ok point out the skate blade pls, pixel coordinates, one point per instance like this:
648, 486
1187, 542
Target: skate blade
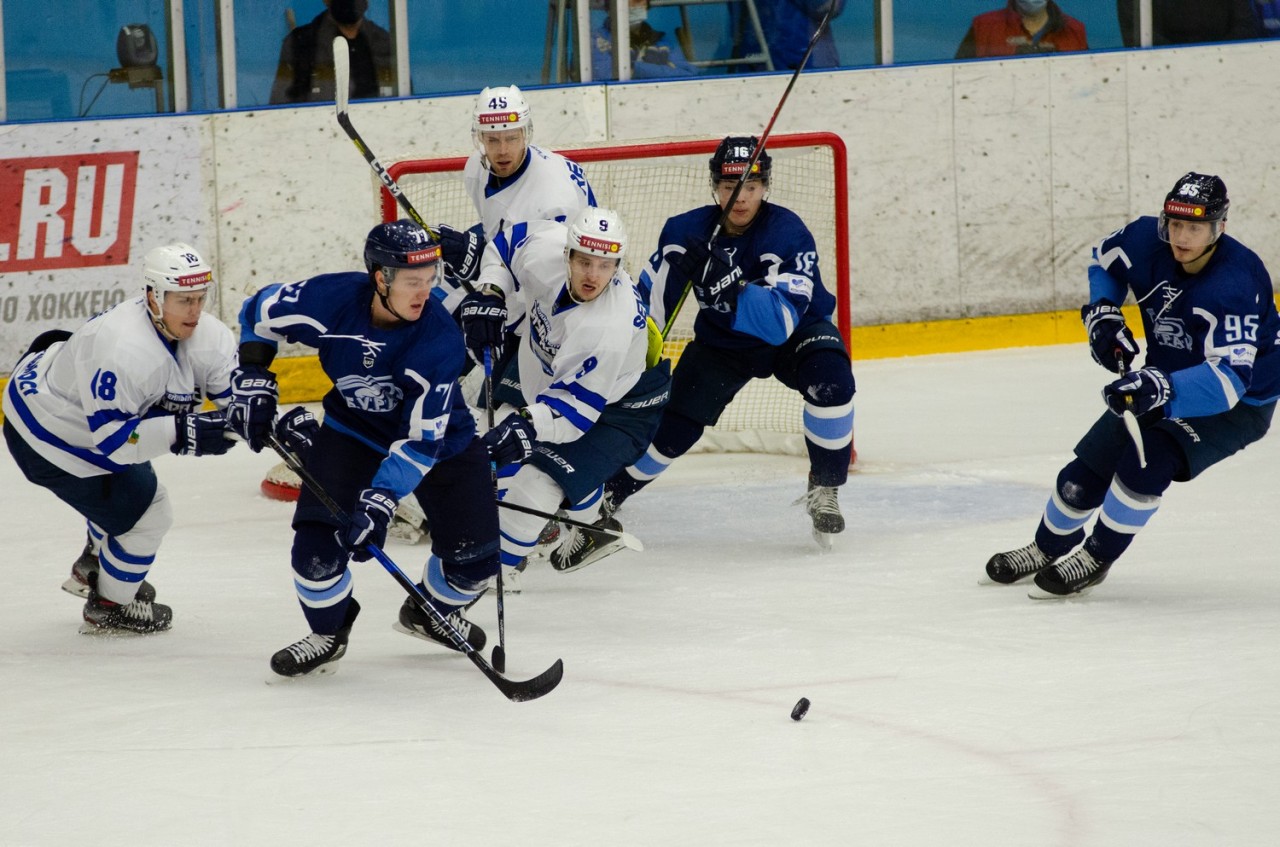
399, 627
76, 588
825, 540
598, 554
326, 669
1038, 593
87, 628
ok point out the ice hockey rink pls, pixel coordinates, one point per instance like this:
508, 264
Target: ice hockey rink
943, 711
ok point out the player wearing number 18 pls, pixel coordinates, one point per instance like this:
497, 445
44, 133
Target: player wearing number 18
1208, 387
87, 411
762, 311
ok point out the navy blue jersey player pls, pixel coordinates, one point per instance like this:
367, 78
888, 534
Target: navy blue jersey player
394, 423
1207, 390
762, 311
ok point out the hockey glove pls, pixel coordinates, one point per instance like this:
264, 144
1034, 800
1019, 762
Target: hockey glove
297, 429
461, 249
1109, 337
510, 441
368, 527
252, 411
484, 323
202, 434
714, 277
1138, 392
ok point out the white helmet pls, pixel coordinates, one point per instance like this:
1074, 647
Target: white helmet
500, 108
598, 232
176, 267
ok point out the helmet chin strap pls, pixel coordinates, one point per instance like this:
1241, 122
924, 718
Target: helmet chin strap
157, 316
382, 298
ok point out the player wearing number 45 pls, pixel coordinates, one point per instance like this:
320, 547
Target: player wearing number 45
86, 411
394, 422
1208, 388
762, 311
585, 389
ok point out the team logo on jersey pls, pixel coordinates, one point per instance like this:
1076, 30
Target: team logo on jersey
540, 336
1169, 332
1242, 354
369, 393
369, 354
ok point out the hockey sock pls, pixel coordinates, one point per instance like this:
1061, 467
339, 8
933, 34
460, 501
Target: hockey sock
529, 487
826, 382
587, 509
125, 559
1134, 495
1078, 493
454, 589
321, 577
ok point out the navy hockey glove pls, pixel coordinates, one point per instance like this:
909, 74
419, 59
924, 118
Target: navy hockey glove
1138, 392
297, 429
369, 522
484, 323
252, 411
1109, 337
202, 434
714, 277
461, 249
510, 441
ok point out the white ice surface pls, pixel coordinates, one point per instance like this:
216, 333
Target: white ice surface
944, 711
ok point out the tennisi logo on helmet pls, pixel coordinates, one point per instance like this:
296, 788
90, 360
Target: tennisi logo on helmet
422, 257
1185, 210
497, 118
193, 280
586, 242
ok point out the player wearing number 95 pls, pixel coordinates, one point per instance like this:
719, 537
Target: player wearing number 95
86, 411
586, 392
1207, 389
394, 423
762, 311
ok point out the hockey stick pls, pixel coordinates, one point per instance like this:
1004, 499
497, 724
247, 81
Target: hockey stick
742, 180
514, 690
499, 652
1131, 420
628, 540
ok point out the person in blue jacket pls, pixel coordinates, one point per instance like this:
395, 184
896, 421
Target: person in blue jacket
654, 54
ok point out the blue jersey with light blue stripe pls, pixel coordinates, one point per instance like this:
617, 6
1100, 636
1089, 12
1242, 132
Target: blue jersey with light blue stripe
1214, 332
394, 389
779, 259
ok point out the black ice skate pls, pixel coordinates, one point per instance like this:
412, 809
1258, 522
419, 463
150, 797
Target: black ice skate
142, 616
823, 506
316, 654
582, 547
413, 621
78, 582
1008, 568
1073, 576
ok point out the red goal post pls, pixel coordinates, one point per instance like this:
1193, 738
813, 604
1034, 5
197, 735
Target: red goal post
646, 183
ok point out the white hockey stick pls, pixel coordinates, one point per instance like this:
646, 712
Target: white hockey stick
1131, 420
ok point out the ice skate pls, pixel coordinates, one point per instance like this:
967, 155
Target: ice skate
1072, 577
823, 506
104, 616
78, 582
1008, 568
581, 547
414, 621
316, 654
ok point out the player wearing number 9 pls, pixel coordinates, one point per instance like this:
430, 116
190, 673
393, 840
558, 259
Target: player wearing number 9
1207, 388
86, 411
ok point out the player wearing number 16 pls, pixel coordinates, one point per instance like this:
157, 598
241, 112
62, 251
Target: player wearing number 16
762, 311
1207, 389
85, 412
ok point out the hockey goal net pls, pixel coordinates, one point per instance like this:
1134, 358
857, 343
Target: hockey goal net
648, 183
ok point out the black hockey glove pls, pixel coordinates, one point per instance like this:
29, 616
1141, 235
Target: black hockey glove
1110, 340
716, 283
1139, 392
484, 323
296, 430
461, 249
252, 411
368, 527
510, 441
201, 434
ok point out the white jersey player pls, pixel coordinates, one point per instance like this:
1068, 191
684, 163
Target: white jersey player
101, 402
587, 398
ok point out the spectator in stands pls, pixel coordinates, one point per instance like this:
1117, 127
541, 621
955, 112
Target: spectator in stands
788, 26
1020, 28
1268, 17
1190, 21
654, 54
305, 72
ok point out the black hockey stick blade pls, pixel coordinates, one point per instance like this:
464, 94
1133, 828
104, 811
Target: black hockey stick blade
514, 690
628, 539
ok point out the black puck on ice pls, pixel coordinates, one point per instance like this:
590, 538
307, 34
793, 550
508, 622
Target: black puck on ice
801, 709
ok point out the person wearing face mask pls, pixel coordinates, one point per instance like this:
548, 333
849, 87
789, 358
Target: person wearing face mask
1023, 27
305, 72
654, 54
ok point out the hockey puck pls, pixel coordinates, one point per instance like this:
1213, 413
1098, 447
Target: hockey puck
801, 709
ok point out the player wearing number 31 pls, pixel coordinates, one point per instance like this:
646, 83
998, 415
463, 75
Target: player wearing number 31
585, 392
1207, 390
86, 411
762, 311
